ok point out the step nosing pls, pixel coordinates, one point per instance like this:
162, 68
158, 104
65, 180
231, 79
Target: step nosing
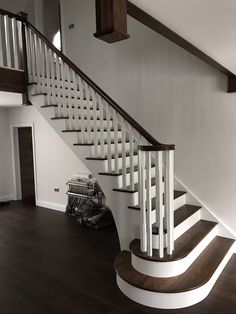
196, 276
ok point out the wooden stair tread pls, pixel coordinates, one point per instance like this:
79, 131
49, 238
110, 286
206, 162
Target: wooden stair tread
79, 130
113, 173
129, 190
49, 106
112, 157
183, 245
60, 118
199, 273
176, 195
180, 215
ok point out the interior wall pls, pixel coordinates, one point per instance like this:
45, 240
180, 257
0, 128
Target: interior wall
55, 163
51, 18
15, 6
6, 181
176, 97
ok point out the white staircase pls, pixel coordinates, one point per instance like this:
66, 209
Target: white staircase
170, 257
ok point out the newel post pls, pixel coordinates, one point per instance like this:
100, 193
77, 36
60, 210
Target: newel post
24, 55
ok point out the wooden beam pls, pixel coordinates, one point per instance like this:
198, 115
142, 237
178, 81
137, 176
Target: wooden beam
163, 30
12, 81
111, 20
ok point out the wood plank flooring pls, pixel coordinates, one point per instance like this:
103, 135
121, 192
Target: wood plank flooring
48, 264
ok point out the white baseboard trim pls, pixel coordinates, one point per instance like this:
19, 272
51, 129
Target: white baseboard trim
6, 198
51, 205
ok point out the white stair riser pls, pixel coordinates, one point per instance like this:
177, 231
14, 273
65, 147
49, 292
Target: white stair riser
178, 202
180, 229
135, 178
127, 148
175, 268
135, 163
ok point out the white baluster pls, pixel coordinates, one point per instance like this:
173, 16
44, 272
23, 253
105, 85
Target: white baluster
169, 196
55, 81
116, 127
159, 201
15, 47
95, 126
131, 157
108, 116
29, 61
123, 131
33, 56
1, 43
7, 41
141, 185
102, 142
71, 102
42, 66
88, 111
47, 73
149, 204
82, 112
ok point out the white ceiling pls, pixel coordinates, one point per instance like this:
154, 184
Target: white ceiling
208, 24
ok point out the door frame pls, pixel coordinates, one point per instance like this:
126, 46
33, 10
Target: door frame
16, 160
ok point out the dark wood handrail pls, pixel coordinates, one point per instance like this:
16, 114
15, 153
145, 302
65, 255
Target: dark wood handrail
103, 94
156, 148
12, 15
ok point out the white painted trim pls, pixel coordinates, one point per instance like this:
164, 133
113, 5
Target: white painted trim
6, 198
217, 219
173, 300
172, 268
51, 205
15, 159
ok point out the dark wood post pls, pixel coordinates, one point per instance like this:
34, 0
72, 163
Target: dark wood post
24, 57
111, 20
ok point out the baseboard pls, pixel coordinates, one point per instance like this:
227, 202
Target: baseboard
51, 205
6, 198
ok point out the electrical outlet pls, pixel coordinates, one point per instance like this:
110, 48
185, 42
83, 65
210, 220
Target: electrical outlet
56, 189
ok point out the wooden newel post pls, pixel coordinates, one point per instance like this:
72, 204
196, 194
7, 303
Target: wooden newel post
23, 15
111, 20
24, 57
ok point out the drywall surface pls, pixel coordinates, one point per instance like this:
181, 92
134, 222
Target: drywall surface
175, 96
55, 163
15, 6
51, 18
6, 181
209, 25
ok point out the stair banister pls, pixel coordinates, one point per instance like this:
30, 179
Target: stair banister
164, 169
63, 82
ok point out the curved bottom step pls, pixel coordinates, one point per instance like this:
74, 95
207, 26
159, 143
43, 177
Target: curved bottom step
175, 292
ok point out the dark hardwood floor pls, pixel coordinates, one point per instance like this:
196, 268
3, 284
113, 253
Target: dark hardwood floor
48, 264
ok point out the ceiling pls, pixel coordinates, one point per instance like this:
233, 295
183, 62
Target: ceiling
210, 25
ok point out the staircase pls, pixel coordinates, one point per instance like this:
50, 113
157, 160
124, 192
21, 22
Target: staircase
173, 249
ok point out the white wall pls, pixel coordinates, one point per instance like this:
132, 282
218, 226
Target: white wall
15, 6
55, 162
6, 182
175, 96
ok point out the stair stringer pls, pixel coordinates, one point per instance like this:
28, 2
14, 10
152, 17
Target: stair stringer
127, 221
206, 213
